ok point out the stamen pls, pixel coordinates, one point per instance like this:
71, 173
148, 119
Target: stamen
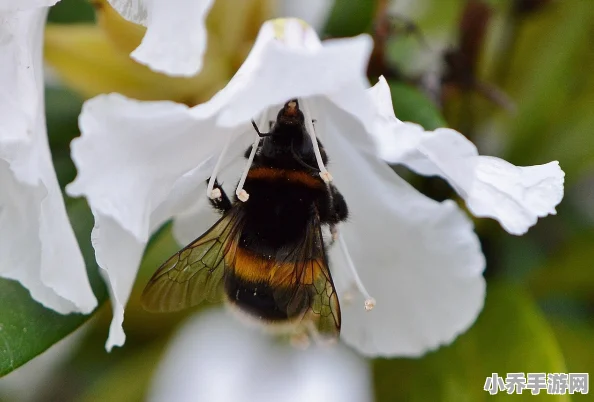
240, 192
324, 174
211, 192
369, 301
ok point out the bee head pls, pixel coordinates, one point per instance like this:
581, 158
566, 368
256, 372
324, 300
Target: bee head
290, 114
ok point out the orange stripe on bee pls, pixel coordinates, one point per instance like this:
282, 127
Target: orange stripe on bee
261, 269
294, 176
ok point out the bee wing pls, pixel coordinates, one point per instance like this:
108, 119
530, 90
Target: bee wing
196, 272
309, 289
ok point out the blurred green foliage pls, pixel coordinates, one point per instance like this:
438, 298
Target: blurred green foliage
510, 336
540, 297
410, 104
26, 328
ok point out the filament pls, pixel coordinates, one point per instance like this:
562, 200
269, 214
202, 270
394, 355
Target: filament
240, 192
369, 301
211, 192
324, 174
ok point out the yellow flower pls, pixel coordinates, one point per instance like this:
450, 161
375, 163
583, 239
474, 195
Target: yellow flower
95, 59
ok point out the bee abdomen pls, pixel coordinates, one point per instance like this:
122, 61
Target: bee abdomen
255, 299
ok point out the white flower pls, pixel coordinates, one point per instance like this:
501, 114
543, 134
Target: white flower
213, 358
142, 163
514, 196
175, 38
37, 244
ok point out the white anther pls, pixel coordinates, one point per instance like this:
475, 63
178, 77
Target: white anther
243, 195
215, 194
369, 301
212, 192
324, 174
369, 304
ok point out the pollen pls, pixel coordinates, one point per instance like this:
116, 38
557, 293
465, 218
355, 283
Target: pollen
215, 194
369, 304
326, 176
243, 195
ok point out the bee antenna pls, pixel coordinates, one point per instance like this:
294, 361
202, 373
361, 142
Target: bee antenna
261, 135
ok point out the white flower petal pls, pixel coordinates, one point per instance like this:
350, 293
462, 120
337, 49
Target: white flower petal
175, 40
118, 254
288, 61
195, 217
131, 153
418, 258
139, 164
213, 351
133, 10
20, 5
132, 159
315, 12
37, 245
515, 196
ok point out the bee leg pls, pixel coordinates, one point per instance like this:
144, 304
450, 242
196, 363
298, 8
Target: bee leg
222, 203
333, 210
337, 210
333, 233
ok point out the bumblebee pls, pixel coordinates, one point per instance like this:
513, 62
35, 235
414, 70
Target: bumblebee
265, 257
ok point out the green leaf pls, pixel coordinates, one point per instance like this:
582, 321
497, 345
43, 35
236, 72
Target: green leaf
26, 327
576, 342
410, 104
510, 336
350, 18
68, 11
62, 108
